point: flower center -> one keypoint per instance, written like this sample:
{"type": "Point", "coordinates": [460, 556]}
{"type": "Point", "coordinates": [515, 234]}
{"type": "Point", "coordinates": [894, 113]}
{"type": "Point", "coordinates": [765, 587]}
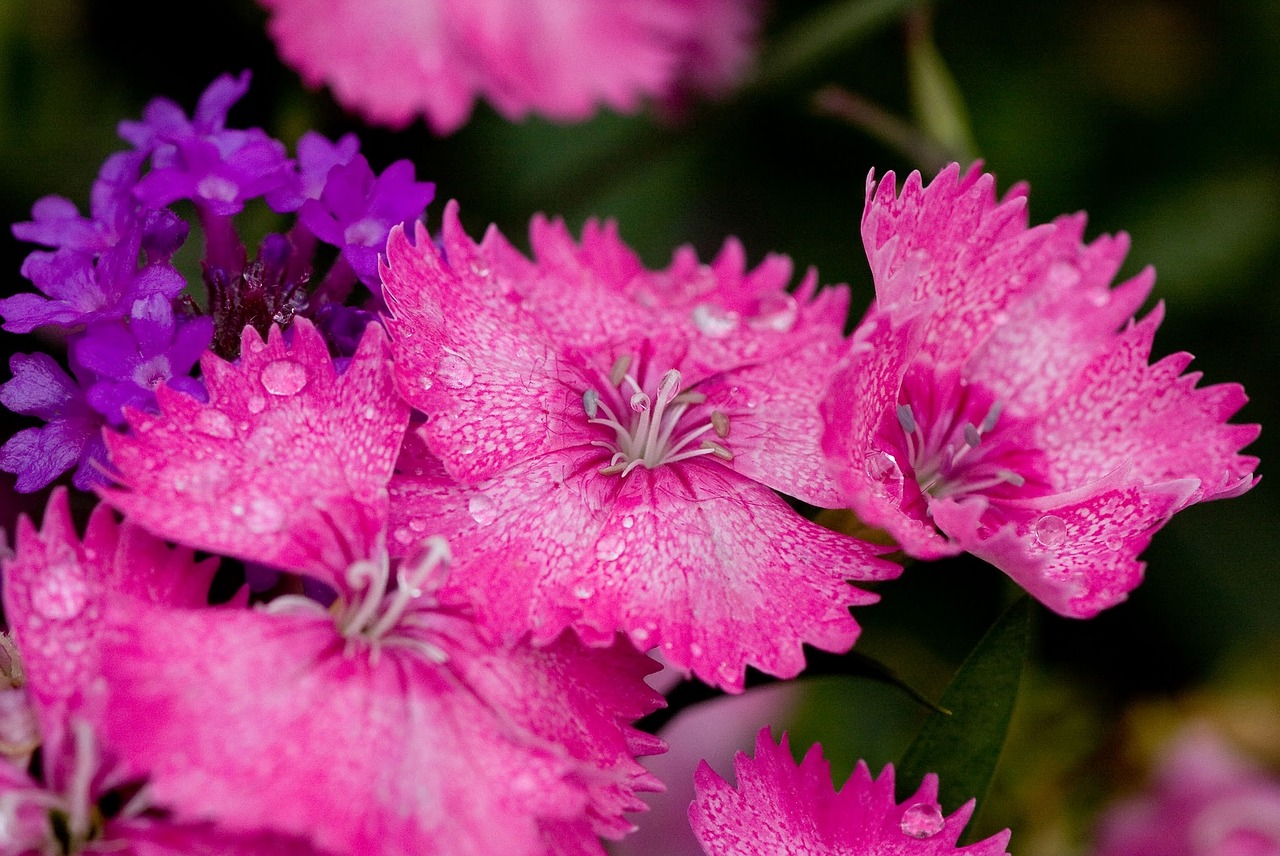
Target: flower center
{"type": "Point", "coordinates": [668, 426]}
{"type": "Point", "coordinates": [371, 614]}
{"type": "Point", "coordinates": [950, 460]}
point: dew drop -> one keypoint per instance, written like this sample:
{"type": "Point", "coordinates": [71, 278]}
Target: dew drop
{"type": "Point", "coordinates": [713, 321]}
{"type": "Point", "coordinates": [264, 517]}
{"type": "Point", "coordinates": [1115, 543]}
{"type": "Point", "coordinates": [639, 634]}
{"type": "Point", "coordinates": [256, 403]}
{"type": "Point", "coordinates": [370, 413]}
{"type": "Point", "coordinates": [882, 468]}
{"type": "Point", "coordinates": [418, 525]}
{"type": "Point", "coordinates": [922, 820]}
{"type": "Point", "coordinates": [610, 547]}
{"type": "Point", "coordinates": [215, 423]}
{"type": "Point", "coordinates": [628, 522]}
{"type": "Point", "coordinates": [482, 509]}
{"type": "Point", "coordinates": [454, 372]}
{"type": "Point", "coordinates": [403, 535]}
{"type": "Point", "coordinates": [284, 377]}
{"type": "Point", "coordinates": [695, 649]}
{"type": "Point", "coordinates": [777, 311]}
{"type": "Point", "coordinates": [582, 592]}
{"type": "Point", "coordinates": [1051, 530]}
{"type": "Point", "coordinates": [61, 593]}
{"type": "Point", "coordinates": [426, 383]}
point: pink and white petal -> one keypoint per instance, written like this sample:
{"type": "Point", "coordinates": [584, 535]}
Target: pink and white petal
{"type": "Point", "coordinates": [286, 465]}
{"type": "Point", "coordinates": [1076, 553]}
{"type": "Point", "coordinates": [775, 425]}
{"type": "Point", "coordinates": [1049, 336]}
{"type": "Point", "coordinates": [780, 807]}
{"type": "Point", "coordinates": [441, 765]}
{"type": "Point", "coordinates": [710, 567]}
{"type": "Point", "coordinates": [954, 245]}
{"type": "Point", "coordinates": [1120, 409]}
{"type": "Point", "coordinates": [469, 356]}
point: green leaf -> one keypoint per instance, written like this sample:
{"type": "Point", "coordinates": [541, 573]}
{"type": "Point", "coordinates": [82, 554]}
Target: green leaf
{"type": "Point", "coordinates": [963, 748]}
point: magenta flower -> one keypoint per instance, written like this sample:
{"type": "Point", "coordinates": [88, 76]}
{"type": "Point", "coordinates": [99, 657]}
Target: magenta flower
{"type": "Point", "coordinates": [58, 597]}
{"type": "Point", "coordinates": [998, 398]}
{"type": "Point", "coordinates": [395, 60]}
{"type": "Point", "coordinates": [1204, 799]}
{"type": "Point", "coordinates": [610, 438]}
{"type": "Point", "coordinates": [781, 807]}
{"type": "Point", "coordinates": [460, 745]}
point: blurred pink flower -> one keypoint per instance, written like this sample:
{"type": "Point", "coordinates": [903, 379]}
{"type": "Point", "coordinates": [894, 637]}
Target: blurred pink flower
{"type": "Point", "coordinates": [998, 398]}
{"type": "Point", "coordinates": [781, 808]}
{"type": "Point", "coordinates": [1204, 799]}
{"type": "Point", "coordinates": [395, 60]}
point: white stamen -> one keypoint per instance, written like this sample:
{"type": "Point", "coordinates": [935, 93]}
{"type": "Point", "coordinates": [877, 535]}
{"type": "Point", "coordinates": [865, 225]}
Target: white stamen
{"type": "Point", "coordinates": [655, 432]}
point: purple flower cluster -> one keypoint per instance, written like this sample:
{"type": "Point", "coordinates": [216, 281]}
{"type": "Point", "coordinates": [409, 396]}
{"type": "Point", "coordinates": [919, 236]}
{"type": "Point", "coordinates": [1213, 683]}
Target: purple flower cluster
{"type": "Point", "coordinates": [129, 318]}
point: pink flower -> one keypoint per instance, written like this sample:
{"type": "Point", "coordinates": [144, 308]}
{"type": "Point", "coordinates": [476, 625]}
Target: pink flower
{"type": "Point", "coordinates": [998, 397]}
{"type": "Point", "coordinates": [389, 722]}
{"type": "Point", "coordinates": [1204, 799]}
{"type": "Point", "coordinates": [395, 60]}
{"type": "Point", "coordinates": [610, 437]}
{"type": "Point", "coordinates": [58, 596]}
{"type": "Point", "coordinates": [780, 807]}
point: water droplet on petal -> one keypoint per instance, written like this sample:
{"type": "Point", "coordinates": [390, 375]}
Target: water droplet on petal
{"type": "Point", "coordinates": [1051, 530]}
{"type": "Point", "coordinates": [215, 423]}
{"type": "Point", "coordinates": [922, 820]}
{"type": "Point", "coordinates": [713, 321]}
{"type": "Point", "coordinates": [610, 547]}
{"type": "Point", "coordinates": [284, 377]}
{"type": "Point", "coordinates": [582, 592]}
{"type": "Point", "coordinates": [883, 469]}
{"type": "Point", "coordinates": [777, 311]}
{"type": "Point", "coordinates": [1115, 543]}
{"type": "Point", "coordinates": [403, 535]}
{"type": "Point", "coordinates": [256, 403]}
{"type": "Point", "coordinates": [628, 522]}
{"type": "Point", "coordinates": [639, 634]}
{"type": "Point", "coordinates": [61, 593]}
{"type": "Point", "coordinates": [455, 372]}
{"type": "Point", "coordinates": [482, 509]}
{"type": "Point", "coordinates": [426, 383]}
{"type": "Point", "coordinates": [264, 517]}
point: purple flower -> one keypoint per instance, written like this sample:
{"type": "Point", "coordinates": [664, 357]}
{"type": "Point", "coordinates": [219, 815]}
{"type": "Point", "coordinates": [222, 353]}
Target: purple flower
{"type": "Point", "coordinates": [357, 210]}
{"type": "Point", "coordinates": [307, 176]}
{"type": "Point", "coordinates": [219, 175]}
{"type": "Point", "coordinates": [79, 290]}
{"type": "Point", "coordinates": [73, 435]}
{"type": "Point", "coordinates": [163, 121]}
{"type": "Point", "coordinates": [132, 358]}
{"type": "Point", "coordinates": [56, 222]}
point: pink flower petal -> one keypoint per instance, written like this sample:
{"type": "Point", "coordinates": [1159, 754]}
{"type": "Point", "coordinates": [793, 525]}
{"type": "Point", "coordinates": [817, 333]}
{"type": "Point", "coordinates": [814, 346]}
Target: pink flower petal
{"type": "Point", "coordinates": [781, 807]}
{"type": "Point", "coordinates": [286, 465]}
{"type": "Point", "coordinates": [488, 752]}
{"type": "Point", "coordinates": [394, 60]}
{"type": "Point", "coordinates": [708, 566]}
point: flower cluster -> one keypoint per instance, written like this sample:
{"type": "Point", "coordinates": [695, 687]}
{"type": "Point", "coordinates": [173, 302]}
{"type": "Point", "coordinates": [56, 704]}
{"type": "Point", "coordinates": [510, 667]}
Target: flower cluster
{"type": "Point", "coordinates": [131, 321]}
{"type": "Point", "coordinates": [450, 514]}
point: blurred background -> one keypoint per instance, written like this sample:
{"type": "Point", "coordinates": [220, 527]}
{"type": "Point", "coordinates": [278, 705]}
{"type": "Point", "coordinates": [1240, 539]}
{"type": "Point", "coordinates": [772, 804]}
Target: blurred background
{"type": "Point", "coordinates": [1161, 118]}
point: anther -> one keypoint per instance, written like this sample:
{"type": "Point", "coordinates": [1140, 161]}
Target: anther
{"type": "Point", "coordinates": [619, 370]}
{"type": "Point", "coordinates": [993, 413]}
{"type": "Point", "coordinates": [716, 449]}
{"type": "Point", "coordinates": [906, 418]}
{"type": "Point", "coordinates": [591, 403]}
{"type": "Point", "coordinates": [971, 435]}
{"type": "Point", "coordinates": [690, 397]}
{"type": "Point", "coordinates": [720, 422]}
